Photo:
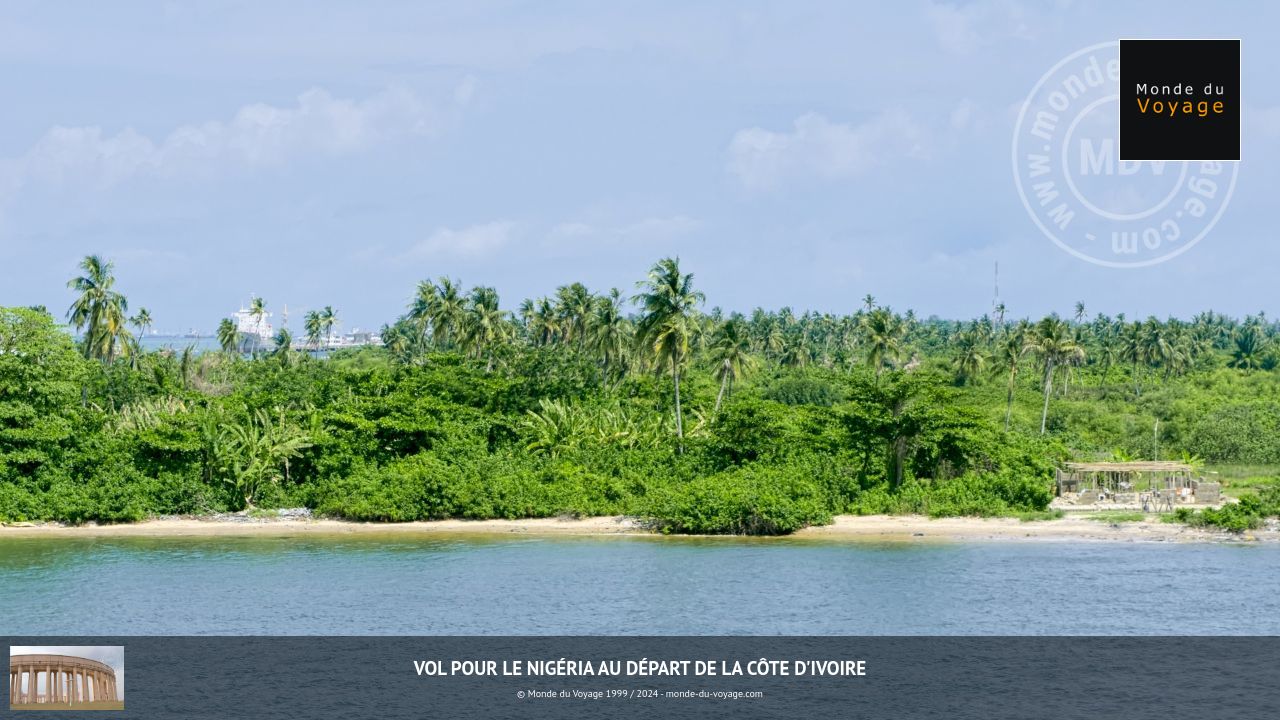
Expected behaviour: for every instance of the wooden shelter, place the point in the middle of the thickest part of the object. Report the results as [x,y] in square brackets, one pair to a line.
[1113,479]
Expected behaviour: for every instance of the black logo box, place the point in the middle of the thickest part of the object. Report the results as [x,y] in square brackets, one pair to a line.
[1188,68]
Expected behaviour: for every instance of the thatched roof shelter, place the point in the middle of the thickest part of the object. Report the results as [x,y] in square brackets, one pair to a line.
[1140,466]
[1124,476]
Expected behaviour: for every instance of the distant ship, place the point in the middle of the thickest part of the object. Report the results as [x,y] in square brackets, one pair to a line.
[254,328]
[257,331]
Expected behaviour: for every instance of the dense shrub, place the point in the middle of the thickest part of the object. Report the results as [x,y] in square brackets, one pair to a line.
[977,494]
[743,501]
[805,391]
[1247,514]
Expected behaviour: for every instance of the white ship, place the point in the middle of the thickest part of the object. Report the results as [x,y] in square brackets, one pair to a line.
[254,328]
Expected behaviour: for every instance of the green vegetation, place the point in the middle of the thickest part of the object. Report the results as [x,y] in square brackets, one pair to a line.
[588,403]
[1248,514]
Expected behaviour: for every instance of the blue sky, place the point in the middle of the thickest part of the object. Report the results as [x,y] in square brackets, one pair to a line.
[800,154]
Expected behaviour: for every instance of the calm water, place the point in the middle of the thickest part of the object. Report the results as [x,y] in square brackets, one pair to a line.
[381,585]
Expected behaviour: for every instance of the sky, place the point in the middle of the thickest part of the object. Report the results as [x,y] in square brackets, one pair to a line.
[791,154]
[112,655]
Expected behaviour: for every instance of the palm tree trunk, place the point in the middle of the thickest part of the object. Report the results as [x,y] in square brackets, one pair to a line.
[724,382]
[675,374]
[1048,390]
[1008,412]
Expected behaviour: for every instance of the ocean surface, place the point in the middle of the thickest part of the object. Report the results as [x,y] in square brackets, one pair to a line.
[384,585]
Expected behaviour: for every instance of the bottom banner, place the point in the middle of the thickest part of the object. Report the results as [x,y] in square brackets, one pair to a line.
[643,677]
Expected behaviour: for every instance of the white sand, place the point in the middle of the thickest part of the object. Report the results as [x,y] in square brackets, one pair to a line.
[910,528]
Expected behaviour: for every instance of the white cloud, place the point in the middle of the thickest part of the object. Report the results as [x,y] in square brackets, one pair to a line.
[476,241]
[962,28]
[257,135]
[954,27]
[817,147]
[647,229]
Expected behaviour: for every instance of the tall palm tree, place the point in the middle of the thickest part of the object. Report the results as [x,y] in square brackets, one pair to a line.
[608,331]
[1107,350]
[142,321]
[1134,349]
[485,324]
[543,326]
[448,313]
[970,358]
[328,319]
[668,304]
[422,309]
[99,310]
[1011,350]
[258,310]
[313,325]
[1052,341]
[731,355]
[883,334]
[228,336]
[574,305]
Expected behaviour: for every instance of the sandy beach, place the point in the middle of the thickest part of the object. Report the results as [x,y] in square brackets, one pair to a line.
[871,528]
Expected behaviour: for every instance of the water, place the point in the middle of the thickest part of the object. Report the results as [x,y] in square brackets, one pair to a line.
[627,585]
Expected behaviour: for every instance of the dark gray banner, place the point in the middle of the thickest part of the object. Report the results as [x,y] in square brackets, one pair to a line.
[691,677]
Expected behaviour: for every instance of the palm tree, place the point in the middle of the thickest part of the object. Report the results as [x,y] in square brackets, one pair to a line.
[484,324]
[1108,350]
[1052,341]
[258,311]
[228,336]
[422,309]
[328,318]
[1134,349]
[1080,311]
[142,321]
[448,313]
[1251,347]
[970,360]
[730,353]
[608,330]
[99,310]
[313,325]
[541,322]
[668,304]
[883,333]
[574,304]
[1011,350]
[283,350]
